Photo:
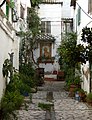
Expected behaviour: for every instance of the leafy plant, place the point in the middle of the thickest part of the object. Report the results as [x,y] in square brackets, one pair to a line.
[27,69]
[25,90]
[20,84]
[27,74]
[7,67]
[77,80]
[29,41]
[15,84]
[71,55]
[10,102]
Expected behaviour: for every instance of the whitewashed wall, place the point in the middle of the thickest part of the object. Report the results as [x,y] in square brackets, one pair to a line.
[51,12]
[85,21]
[67,11]
[54,13]
[8,45]
[9,42]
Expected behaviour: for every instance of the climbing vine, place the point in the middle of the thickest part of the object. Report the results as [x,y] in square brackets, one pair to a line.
[29,37]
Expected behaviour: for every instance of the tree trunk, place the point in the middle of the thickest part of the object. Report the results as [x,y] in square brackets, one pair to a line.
[34,59]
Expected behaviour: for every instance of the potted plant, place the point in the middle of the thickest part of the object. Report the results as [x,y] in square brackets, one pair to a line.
[7,1]
[72,90]
[25,90]
[74,84]
[82,95]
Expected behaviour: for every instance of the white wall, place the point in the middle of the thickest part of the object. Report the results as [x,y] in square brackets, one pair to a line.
[8,45]
[9,42]
[54,13]
[21,23]
[85,21]
[67,11]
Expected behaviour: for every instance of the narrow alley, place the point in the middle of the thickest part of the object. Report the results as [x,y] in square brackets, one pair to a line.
[46,47]
[63,107]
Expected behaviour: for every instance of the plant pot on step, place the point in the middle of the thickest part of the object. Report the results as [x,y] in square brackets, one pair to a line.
[72,90]
[82,96]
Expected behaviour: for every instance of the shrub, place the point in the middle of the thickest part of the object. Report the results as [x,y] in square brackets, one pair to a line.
[28,80]
[27,74]
[10,102]
[27,69]
[15,84]
[20,83]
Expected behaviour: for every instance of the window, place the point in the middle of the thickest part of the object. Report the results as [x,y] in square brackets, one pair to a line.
[90,6]
[45,26]
[14,15]
[67,25]
[22,12]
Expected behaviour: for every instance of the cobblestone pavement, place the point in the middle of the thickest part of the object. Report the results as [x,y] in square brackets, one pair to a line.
[65,108]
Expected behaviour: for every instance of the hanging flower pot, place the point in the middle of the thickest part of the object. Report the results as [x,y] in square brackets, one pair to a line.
[7,1]
[10,3]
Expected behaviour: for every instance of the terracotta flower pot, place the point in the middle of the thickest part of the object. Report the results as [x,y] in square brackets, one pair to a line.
[82,96]
[7,1]
[71,90]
